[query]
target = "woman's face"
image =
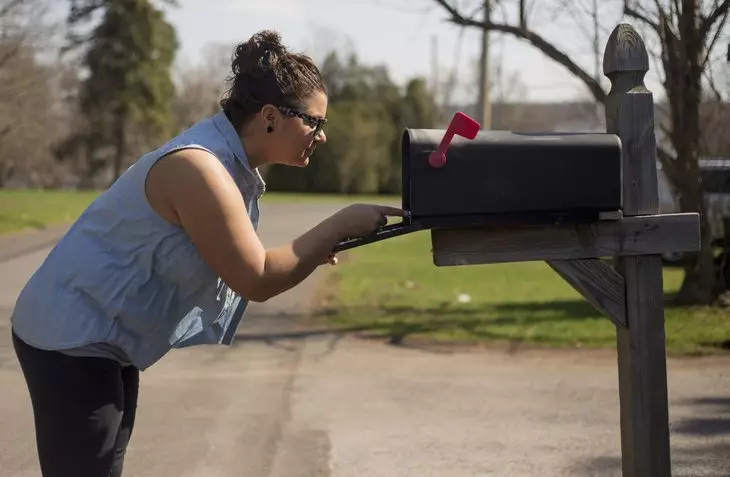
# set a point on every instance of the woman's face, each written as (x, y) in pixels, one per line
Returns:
(297, 134)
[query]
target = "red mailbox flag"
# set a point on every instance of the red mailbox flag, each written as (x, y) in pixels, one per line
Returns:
(461, 125)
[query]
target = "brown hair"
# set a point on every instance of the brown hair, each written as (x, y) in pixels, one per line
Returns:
(264, 72)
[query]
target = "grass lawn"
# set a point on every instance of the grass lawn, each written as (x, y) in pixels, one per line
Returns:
(36, 209)
(392, 289)
(288, 197)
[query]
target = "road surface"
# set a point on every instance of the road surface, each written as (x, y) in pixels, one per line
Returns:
(321, 406)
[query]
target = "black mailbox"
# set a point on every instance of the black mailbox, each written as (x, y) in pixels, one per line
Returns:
(504, 178)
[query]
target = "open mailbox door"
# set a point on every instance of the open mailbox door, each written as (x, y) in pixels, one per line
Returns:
(464, 177)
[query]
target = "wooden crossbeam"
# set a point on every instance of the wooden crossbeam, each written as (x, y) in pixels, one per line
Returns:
(641, 235)
(599, 283)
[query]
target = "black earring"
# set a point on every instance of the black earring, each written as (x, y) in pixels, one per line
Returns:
(270, 129)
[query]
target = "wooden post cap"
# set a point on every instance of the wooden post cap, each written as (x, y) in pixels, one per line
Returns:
(625, 51)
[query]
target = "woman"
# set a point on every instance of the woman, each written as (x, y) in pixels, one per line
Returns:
(168, 257)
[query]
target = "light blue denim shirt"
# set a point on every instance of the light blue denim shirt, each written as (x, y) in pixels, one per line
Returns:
(125, 277)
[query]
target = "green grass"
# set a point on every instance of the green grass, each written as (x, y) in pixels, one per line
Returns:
(37, 209)
(288, 198)
(391, 289)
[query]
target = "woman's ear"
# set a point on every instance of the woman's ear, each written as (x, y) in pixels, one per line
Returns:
(269, 115)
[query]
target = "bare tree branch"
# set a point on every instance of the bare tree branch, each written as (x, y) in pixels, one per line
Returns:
(715, 37)
(7, 10)
(9, 6)
(676, 11)
(4, 59)
(537, 41)
(718, 13)
(713, 87)
(665, 22)
(523, 19)
(632, 13)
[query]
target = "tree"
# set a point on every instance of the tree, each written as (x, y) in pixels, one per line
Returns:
(416, 109)
(127, 96)
(27, 87)
(687, 32)
(25, 136)
(367, 112)
(21, 23)
(201, 86)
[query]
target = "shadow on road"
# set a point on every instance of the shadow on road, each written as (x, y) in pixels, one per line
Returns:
(501, 322)
(709, 421)
(713, 419)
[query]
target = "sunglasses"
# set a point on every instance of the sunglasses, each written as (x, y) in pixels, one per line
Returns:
(315, 123)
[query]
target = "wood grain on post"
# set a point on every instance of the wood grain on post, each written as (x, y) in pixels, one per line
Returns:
(649, 234)
(641, 346)
(601, 285)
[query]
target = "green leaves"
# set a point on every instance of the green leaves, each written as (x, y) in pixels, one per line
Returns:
(367, 113)
(128, 93)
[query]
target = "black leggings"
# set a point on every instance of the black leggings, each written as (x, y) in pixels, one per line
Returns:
(84, 411)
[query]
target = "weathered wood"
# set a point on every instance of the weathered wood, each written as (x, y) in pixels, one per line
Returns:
(641, 346)
(630, 115)
(626, 237)
(599, 283)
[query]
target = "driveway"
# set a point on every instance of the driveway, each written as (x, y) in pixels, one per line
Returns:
(322, 405)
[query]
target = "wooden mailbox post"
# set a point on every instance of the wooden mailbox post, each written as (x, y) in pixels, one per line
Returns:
(629, 293)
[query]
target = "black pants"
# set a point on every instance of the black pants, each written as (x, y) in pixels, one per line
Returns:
(84, 411)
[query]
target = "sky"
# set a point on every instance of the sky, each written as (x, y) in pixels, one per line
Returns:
(399, 34)
(407, 36)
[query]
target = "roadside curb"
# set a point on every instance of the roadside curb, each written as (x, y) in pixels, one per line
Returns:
(17, 244)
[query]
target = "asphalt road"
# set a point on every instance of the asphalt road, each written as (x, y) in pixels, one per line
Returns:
(321, 406)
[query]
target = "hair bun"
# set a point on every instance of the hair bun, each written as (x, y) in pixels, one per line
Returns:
(260, 53)
(266, 72)
(269, 40)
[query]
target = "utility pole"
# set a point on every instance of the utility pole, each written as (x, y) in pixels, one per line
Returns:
(597, 58)
(485, 104)
(435, 80)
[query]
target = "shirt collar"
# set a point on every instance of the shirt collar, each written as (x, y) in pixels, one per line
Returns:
(230, 134)
(226, 128)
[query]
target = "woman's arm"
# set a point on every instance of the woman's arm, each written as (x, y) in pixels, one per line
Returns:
(192, 189)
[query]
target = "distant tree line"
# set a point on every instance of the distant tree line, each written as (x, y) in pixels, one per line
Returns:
(83, 116)
(367, 114)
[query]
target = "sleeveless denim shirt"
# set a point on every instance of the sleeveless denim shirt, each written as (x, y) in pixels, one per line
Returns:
(123, 276)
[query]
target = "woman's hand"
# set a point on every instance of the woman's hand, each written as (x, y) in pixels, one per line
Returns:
(360, 220)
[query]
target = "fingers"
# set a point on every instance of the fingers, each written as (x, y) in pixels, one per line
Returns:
(393, 211)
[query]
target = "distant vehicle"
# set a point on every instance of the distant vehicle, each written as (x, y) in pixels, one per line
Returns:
(715, 175)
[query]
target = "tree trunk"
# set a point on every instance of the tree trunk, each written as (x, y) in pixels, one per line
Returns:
(684, 87)
(121, 145)
(700, 284)
(92, 164)
(4, 174)
(723, 266)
